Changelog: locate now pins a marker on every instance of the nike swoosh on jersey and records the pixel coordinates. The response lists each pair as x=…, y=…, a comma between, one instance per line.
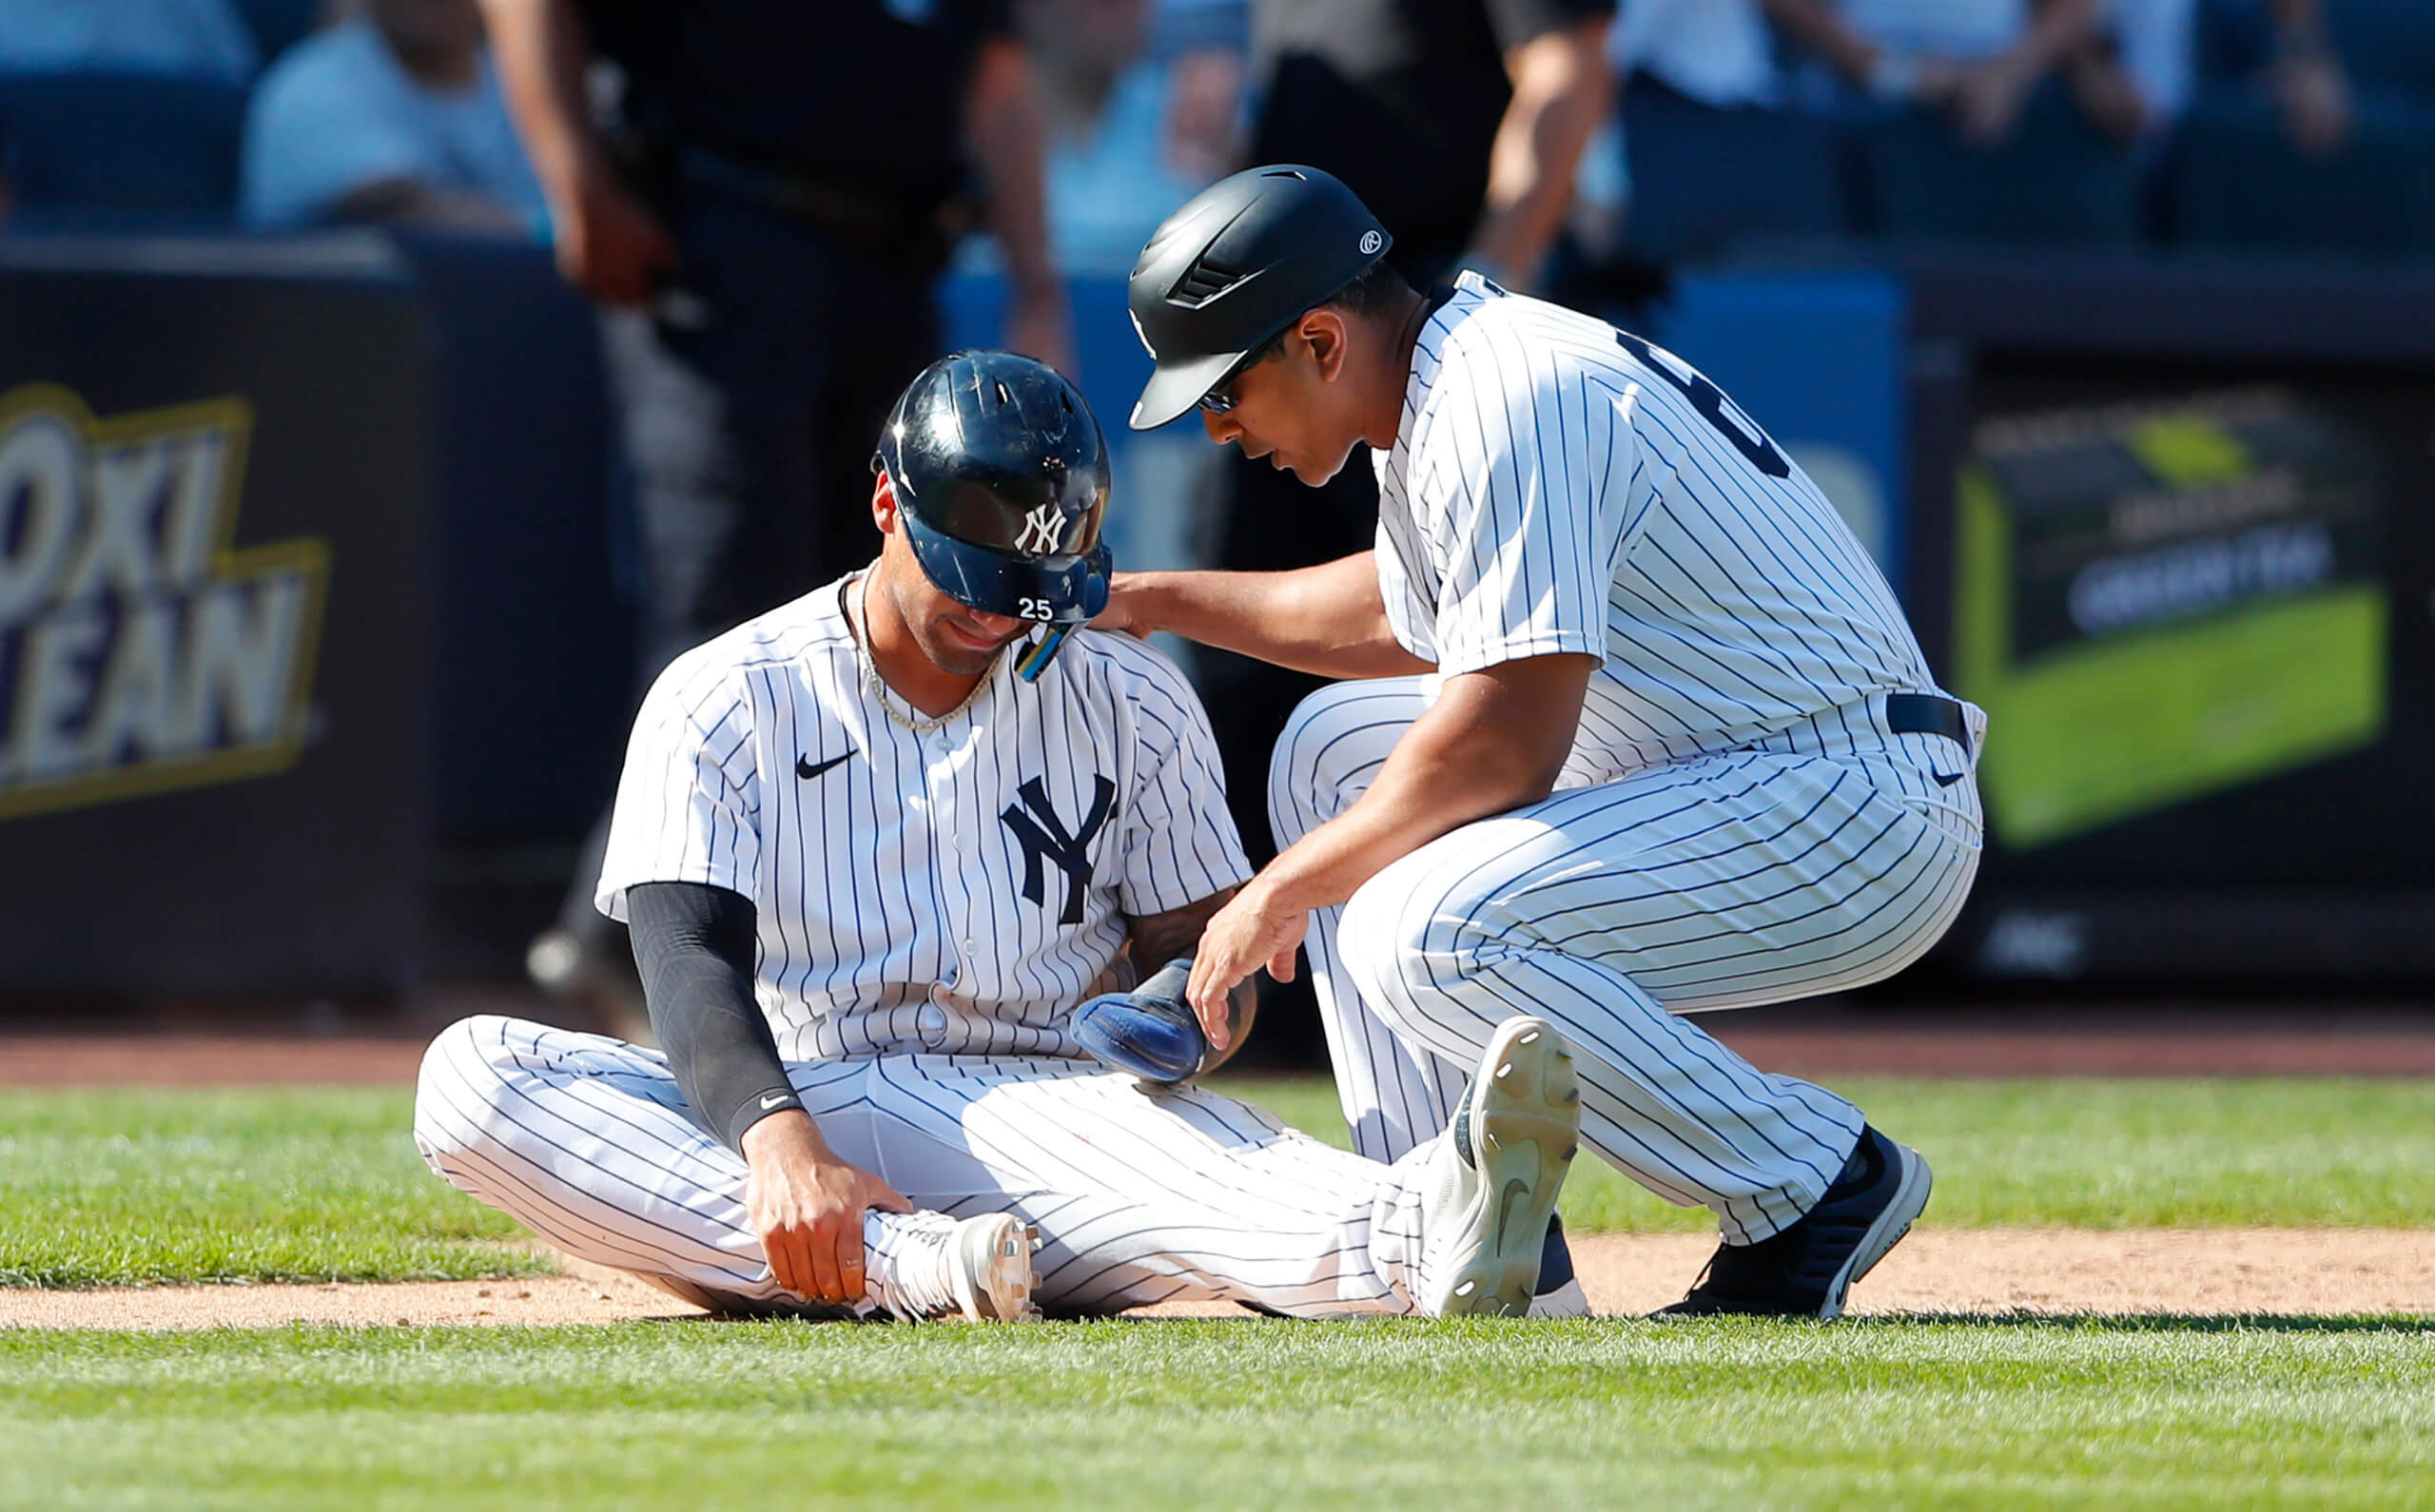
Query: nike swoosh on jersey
x=805, y=769
x=1945, y=780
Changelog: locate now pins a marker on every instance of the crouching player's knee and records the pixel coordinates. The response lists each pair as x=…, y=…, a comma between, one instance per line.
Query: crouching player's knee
x=1325, y=758
x=1390, y=946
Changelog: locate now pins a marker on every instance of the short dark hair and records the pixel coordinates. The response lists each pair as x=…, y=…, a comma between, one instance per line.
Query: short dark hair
x=1376, y=288
x=1371, y=292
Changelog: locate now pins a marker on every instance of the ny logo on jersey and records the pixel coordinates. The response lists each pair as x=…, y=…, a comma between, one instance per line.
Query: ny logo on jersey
x=1044, y=838
x=1038, y=535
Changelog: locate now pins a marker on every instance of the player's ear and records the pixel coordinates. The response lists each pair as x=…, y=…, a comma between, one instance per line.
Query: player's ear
x=883, y=505
x=1323, y=330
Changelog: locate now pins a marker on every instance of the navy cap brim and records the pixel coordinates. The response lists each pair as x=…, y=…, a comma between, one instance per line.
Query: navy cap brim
x=1175, y=387
x=1051, y=590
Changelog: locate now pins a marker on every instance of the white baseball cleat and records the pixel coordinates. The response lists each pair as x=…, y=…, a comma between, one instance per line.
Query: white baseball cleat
x=1495, y=1174
x=989, y=1266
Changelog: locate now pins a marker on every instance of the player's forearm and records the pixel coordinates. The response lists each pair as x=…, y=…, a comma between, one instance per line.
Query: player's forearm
x=1401, y=812
x=1494, y=741
x=1561, y=91
x=542, y=55
x=1006, y=130
x=694, y=947
x=1327, y=619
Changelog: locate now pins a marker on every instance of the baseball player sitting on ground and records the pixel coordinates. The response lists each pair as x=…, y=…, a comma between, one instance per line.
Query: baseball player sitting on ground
x=1639, y=730
x=874, y=850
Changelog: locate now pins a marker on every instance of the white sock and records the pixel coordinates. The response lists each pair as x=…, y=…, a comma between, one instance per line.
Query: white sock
x=908, y=1264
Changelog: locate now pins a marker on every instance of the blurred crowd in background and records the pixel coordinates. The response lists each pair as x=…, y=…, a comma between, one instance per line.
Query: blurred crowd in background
x=761, y=195
x=1686, y=124
x=1690, y=123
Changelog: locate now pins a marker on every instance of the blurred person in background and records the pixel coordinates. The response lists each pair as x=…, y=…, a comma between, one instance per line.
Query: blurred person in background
x=1977, y=62
x=1205, y=43
x=761, y=203
x=1717, y=52
x=1119, y=154
x=393, y=117
x=192, y=39
x=1461, y=122
x=1702, y=56
x=2139, y=72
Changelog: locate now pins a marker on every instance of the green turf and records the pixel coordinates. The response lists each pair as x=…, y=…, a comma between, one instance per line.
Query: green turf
x=148, y=1185
x=2091, y=1153
x=137, y=1185
x=1212, y=1414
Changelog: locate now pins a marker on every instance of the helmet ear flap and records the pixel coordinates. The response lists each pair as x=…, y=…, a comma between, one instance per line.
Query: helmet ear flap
x=1095, y=588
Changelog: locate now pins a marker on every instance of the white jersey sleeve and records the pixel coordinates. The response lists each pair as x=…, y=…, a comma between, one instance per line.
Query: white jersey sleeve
x=1529, y=525
x=689, y=800
x=1178, y=844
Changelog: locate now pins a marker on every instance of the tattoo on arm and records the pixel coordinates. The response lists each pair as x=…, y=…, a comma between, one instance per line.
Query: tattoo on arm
x=1160, y=938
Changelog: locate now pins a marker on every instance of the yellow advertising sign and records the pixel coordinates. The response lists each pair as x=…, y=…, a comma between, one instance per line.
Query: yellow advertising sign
x=140, y=650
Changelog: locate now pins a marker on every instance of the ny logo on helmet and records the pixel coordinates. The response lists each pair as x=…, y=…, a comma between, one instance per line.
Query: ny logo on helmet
x=1039, y=534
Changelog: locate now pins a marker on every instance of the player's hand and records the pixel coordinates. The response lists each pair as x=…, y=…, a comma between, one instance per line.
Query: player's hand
x=608, y=244
x=1127, y=603
x=807, y=1206
x=1248, y=933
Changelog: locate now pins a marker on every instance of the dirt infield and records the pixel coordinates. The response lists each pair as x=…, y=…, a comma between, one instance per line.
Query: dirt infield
x=2196, y=1271
x=2026, y=1272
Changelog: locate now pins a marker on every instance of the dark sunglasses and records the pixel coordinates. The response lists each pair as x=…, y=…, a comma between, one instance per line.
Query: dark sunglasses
x=1222, y=398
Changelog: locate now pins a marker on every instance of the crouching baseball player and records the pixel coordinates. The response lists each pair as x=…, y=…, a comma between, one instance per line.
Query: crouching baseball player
x=1632, y=726
x=875, y=847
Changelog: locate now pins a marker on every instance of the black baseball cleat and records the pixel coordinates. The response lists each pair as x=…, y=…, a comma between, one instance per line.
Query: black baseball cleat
x=1559, y=1294
x=1807, y=1270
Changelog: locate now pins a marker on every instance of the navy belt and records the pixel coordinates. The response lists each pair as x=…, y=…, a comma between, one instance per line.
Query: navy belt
x=1926, y=714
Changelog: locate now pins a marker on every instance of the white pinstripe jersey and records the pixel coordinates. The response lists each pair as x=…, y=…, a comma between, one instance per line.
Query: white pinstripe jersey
x=1557, y=485
x=954, y=890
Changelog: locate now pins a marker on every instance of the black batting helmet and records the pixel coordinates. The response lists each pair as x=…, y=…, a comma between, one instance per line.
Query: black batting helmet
x=1239, y=262
x=1001, y=479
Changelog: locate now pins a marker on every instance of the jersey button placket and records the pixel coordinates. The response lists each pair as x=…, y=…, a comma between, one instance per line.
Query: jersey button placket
x=957, y=849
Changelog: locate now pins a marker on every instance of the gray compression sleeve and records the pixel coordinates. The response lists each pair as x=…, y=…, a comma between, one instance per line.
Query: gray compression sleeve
x=695, y=945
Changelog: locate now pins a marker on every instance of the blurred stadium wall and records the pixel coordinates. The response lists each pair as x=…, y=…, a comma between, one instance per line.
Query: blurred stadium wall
x=314, y=583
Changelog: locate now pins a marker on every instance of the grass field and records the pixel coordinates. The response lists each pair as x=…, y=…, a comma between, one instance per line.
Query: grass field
x=1211, y=1414
x=112, y=1187
x=99, y=1186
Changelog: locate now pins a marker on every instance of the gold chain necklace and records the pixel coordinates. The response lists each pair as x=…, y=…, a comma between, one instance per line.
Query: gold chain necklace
x=899, y=708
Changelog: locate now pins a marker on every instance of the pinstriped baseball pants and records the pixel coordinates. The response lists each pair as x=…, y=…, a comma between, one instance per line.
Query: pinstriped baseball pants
x=1719, y=882
x=1139, y=1198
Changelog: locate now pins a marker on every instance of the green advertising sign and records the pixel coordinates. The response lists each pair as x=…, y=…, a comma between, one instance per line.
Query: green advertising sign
x=2159, y=601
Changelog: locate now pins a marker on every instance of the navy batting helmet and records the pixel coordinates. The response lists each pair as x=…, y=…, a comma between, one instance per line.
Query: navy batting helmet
x=1001, y=479
x=1238, y=263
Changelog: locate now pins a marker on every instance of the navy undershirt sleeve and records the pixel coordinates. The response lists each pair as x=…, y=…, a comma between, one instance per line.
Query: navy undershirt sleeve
x=695, y=945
